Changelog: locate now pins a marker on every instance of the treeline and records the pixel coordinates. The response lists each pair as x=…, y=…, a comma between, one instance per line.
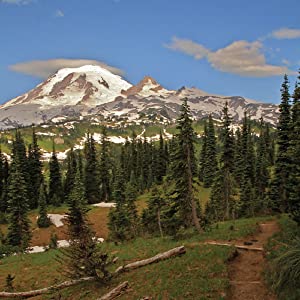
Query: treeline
x=250, y=173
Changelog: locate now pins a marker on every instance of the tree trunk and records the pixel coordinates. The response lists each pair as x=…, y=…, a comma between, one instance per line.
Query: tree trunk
x=117, y=291
x=191, y=193
x=159, y=223
x=161, y=256
x=47, y=290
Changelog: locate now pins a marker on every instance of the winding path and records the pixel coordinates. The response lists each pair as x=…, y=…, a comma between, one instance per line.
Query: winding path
x=246, y=270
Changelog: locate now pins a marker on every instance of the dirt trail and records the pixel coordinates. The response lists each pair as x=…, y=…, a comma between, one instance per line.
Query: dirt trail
x=245, y=271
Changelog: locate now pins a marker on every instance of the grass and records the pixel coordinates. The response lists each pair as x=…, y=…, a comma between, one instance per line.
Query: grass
x=279, y=247
x=200, y=274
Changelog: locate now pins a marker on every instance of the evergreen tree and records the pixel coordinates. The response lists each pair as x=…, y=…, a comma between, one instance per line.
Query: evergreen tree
x=55, y=181
x=223, y=189
x=4, y=195
x=119, y=222
x=91, y=173
x=18, y=204
x=104, y=168
x=71, y=173
x=183, y=170
x=151, y=217
x=247, y=205
x=294, y=152
x=83, y=257
x=262, y=164
x=35, y=171
x=279, y=194
x=211, y=164
x=43, y=220
x=161, y=160
x=203, y=155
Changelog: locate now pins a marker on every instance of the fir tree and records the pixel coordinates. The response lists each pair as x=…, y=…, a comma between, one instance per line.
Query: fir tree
x=91, y=173
x=119, y=218
x=224, y=185
x=151, y=218
x=18, y=204
x=203, y=155
x=83, y=257
x=70, y=174
x=35, y=170
x=55, y=181
x=161, y=160
x=183, y=170
x=279, y=194
x=104, y=168
x=262, y=164
x=43, y=219
x=211, y=164
x=294, y=153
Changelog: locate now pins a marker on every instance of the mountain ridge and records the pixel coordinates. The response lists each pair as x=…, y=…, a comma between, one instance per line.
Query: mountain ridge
x=93, y=90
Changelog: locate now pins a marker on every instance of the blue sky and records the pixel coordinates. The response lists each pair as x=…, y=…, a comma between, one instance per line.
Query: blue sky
x=227, y=47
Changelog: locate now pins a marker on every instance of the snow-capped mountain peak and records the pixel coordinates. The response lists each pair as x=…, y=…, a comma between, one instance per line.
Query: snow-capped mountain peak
x=87, y=85
x=148, y=86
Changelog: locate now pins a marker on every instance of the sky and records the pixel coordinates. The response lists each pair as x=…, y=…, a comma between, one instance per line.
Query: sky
x=227, y=47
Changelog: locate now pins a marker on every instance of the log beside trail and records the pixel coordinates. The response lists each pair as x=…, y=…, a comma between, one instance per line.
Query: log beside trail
x=117, y=291
x=46, y=290
x=159, y=257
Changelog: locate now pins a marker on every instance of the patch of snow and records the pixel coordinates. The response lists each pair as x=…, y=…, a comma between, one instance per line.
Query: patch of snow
x=46, y=133
x=58, y=119
x=105, y=204
x=56, y=219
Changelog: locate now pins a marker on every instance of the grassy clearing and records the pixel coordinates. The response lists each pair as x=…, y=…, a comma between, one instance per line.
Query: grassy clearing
x=279, y=244
x=200, y=274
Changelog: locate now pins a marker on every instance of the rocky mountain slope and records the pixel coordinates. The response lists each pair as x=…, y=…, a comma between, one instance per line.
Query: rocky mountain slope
x=94, y=91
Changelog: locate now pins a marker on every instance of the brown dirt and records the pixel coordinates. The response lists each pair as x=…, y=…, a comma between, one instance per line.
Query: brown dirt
x=246, y=270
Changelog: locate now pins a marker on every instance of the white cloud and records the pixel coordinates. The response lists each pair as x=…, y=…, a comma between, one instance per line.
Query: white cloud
x=59, y=14
x=286, y=33
x=188, y=47
x=241, y=57
x=45, y=68
x=286, y=62
x=16, y=2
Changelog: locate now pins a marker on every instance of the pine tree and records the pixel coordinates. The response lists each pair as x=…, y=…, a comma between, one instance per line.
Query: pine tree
x=18, y=204
x=83, y=257
x=279, y=194
x=211, y=164
x=104, y=168
x=294, y=153
x=91, y=173
x=119, y=220
x=203, y=155
x=183, y=170
x=151, y=217
x=262, y=164
x=55, y=181
x=161, y=164
x=70, y=174
x=223, y=189
x=43, y=220
x=35, y=170
x=247, y=205
x=4, y=195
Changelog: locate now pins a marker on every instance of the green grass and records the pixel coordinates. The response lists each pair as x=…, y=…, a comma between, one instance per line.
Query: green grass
x=280, y=244
x=199, y=274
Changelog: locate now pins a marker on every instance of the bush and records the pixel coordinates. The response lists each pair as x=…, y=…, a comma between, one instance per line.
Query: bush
x=286, y=271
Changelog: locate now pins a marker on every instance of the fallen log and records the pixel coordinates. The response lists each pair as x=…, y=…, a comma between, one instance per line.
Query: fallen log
x=46, y=290
x=117, y=291
x=236, y=246
x=161, y=256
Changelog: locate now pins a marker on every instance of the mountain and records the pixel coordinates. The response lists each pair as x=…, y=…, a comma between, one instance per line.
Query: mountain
x=73, y=93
